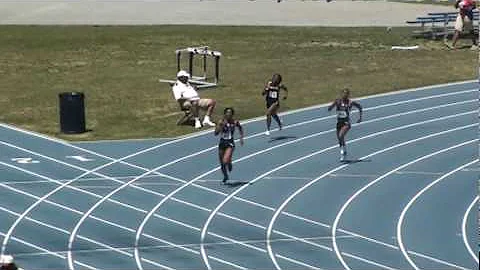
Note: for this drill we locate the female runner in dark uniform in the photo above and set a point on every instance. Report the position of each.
(344, 107)
(272, 96)
(226, 129)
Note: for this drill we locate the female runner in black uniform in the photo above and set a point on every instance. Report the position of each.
(226, 129)
(344, 107)
(272, 96)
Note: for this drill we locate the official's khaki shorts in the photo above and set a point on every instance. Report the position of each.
(202, 103)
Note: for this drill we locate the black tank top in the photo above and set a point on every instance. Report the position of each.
(227, 131)
(343, 109)
(273, 91)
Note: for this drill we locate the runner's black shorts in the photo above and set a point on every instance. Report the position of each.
(271, 101)
(341, 124)
(224, 144)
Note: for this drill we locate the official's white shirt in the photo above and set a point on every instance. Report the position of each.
(184, 90)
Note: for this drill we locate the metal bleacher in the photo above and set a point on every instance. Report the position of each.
(439, 24)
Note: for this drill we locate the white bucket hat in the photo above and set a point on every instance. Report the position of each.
(183, 73)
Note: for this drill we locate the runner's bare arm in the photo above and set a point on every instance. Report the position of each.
(240, 129)
(219, 127)
(286, 91)
(332, 105)
(360, 110)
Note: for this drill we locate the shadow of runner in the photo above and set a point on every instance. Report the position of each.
(280, 138)
(353, 161)
(237, 183)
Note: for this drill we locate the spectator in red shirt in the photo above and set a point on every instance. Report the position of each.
(464, 22)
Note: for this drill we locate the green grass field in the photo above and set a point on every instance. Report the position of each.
(118, 67)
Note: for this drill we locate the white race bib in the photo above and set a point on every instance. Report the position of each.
(273, 94)
(342, 114)
(227, 134)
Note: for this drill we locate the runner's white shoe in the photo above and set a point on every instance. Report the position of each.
(343, 154)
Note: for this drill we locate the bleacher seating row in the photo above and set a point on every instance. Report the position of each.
(439, 24)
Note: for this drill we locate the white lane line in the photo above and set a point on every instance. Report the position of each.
(121, 141)
(412, 201)
(421, 255)
(66, 232)
(419, 173)
(121, 160)
(59, 205)
(442, 105)
(471, 170)
(110, 186)
(36, 203)
(106, 221)
(116, 225)
(212, 214)
(191, 245)
(46, 251)
(256, 119)
(76, 188)
(285, 127)
(288, 178)
(379, 265)
(164, 175)
(464, 230)
(96, 205)
(298, 191)
(98, 179)
(361, 190)
(290, 142)
(164, 165)
(348, 175)
(280, 145)
(32, 206)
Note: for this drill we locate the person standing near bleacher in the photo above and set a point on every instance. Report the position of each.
(186, 94)
(464, 22)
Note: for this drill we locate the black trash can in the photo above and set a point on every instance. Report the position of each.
(72, 112)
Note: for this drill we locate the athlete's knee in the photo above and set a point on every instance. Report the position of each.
(213, 103)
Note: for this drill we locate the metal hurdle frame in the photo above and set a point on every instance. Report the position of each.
(198, 81)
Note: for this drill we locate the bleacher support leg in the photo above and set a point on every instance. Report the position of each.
(217, 68)
(190, 63)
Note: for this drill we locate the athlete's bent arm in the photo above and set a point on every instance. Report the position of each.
(360, 110)
(332, 105)
(240, 129)
(219, 127)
